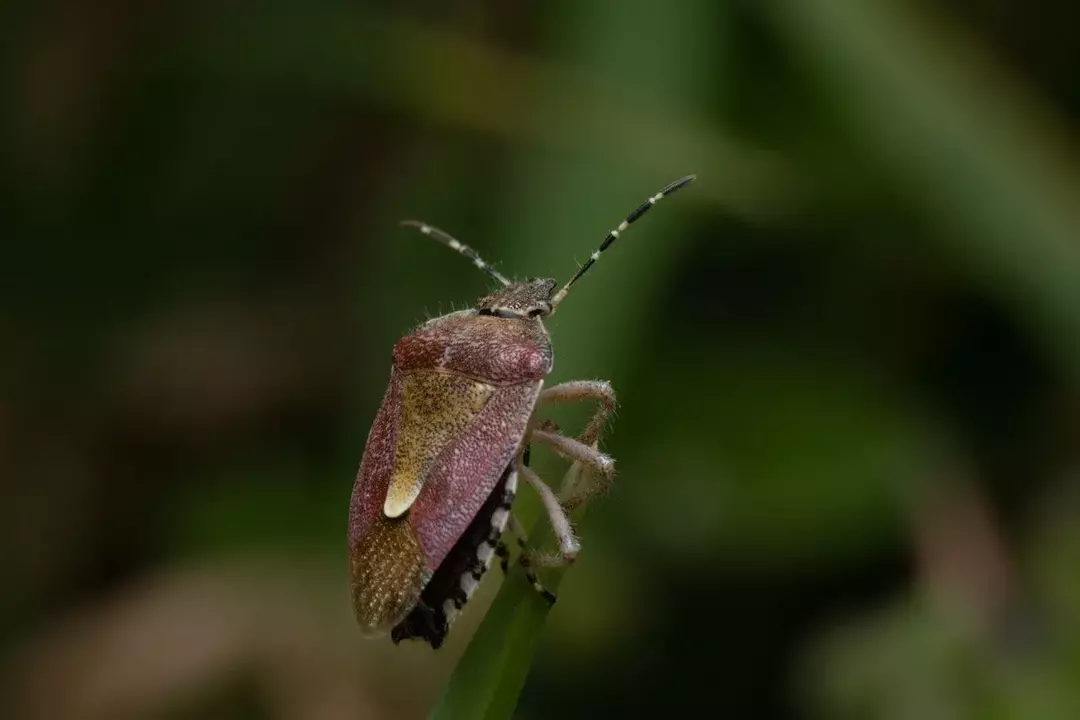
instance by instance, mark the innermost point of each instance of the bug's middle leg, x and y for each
(592, 471)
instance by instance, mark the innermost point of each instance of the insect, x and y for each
(449, 444)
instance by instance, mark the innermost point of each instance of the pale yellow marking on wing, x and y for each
(436, 407)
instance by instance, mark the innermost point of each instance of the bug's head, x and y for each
(538, 298)
(529, 298)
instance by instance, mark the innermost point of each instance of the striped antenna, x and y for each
(614, 235)
(452, 243)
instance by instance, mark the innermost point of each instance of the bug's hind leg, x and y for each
(503, 553)
(525, 559)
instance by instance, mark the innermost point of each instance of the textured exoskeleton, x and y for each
(462, 391)
(445, 453)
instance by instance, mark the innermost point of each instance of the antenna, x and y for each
(452, 243)
(614, 235)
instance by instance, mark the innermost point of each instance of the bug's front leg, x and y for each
(577, 390)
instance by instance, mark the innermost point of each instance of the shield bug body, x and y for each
(449, 445)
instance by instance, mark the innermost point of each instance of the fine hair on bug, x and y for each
(450, 442)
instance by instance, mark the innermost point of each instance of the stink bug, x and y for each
(450, 440)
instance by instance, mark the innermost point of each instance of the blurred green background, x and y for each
(848, 357)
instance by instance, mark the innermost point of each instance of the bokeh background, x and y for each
(848, 357)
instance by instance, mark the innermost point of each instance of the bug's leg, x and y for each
(560, 523)
(580, 484)
(592, 471)
(514, 526)
(577, 390)
(525, 559)
(503, 553)
(535, 423)
(576, 451)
